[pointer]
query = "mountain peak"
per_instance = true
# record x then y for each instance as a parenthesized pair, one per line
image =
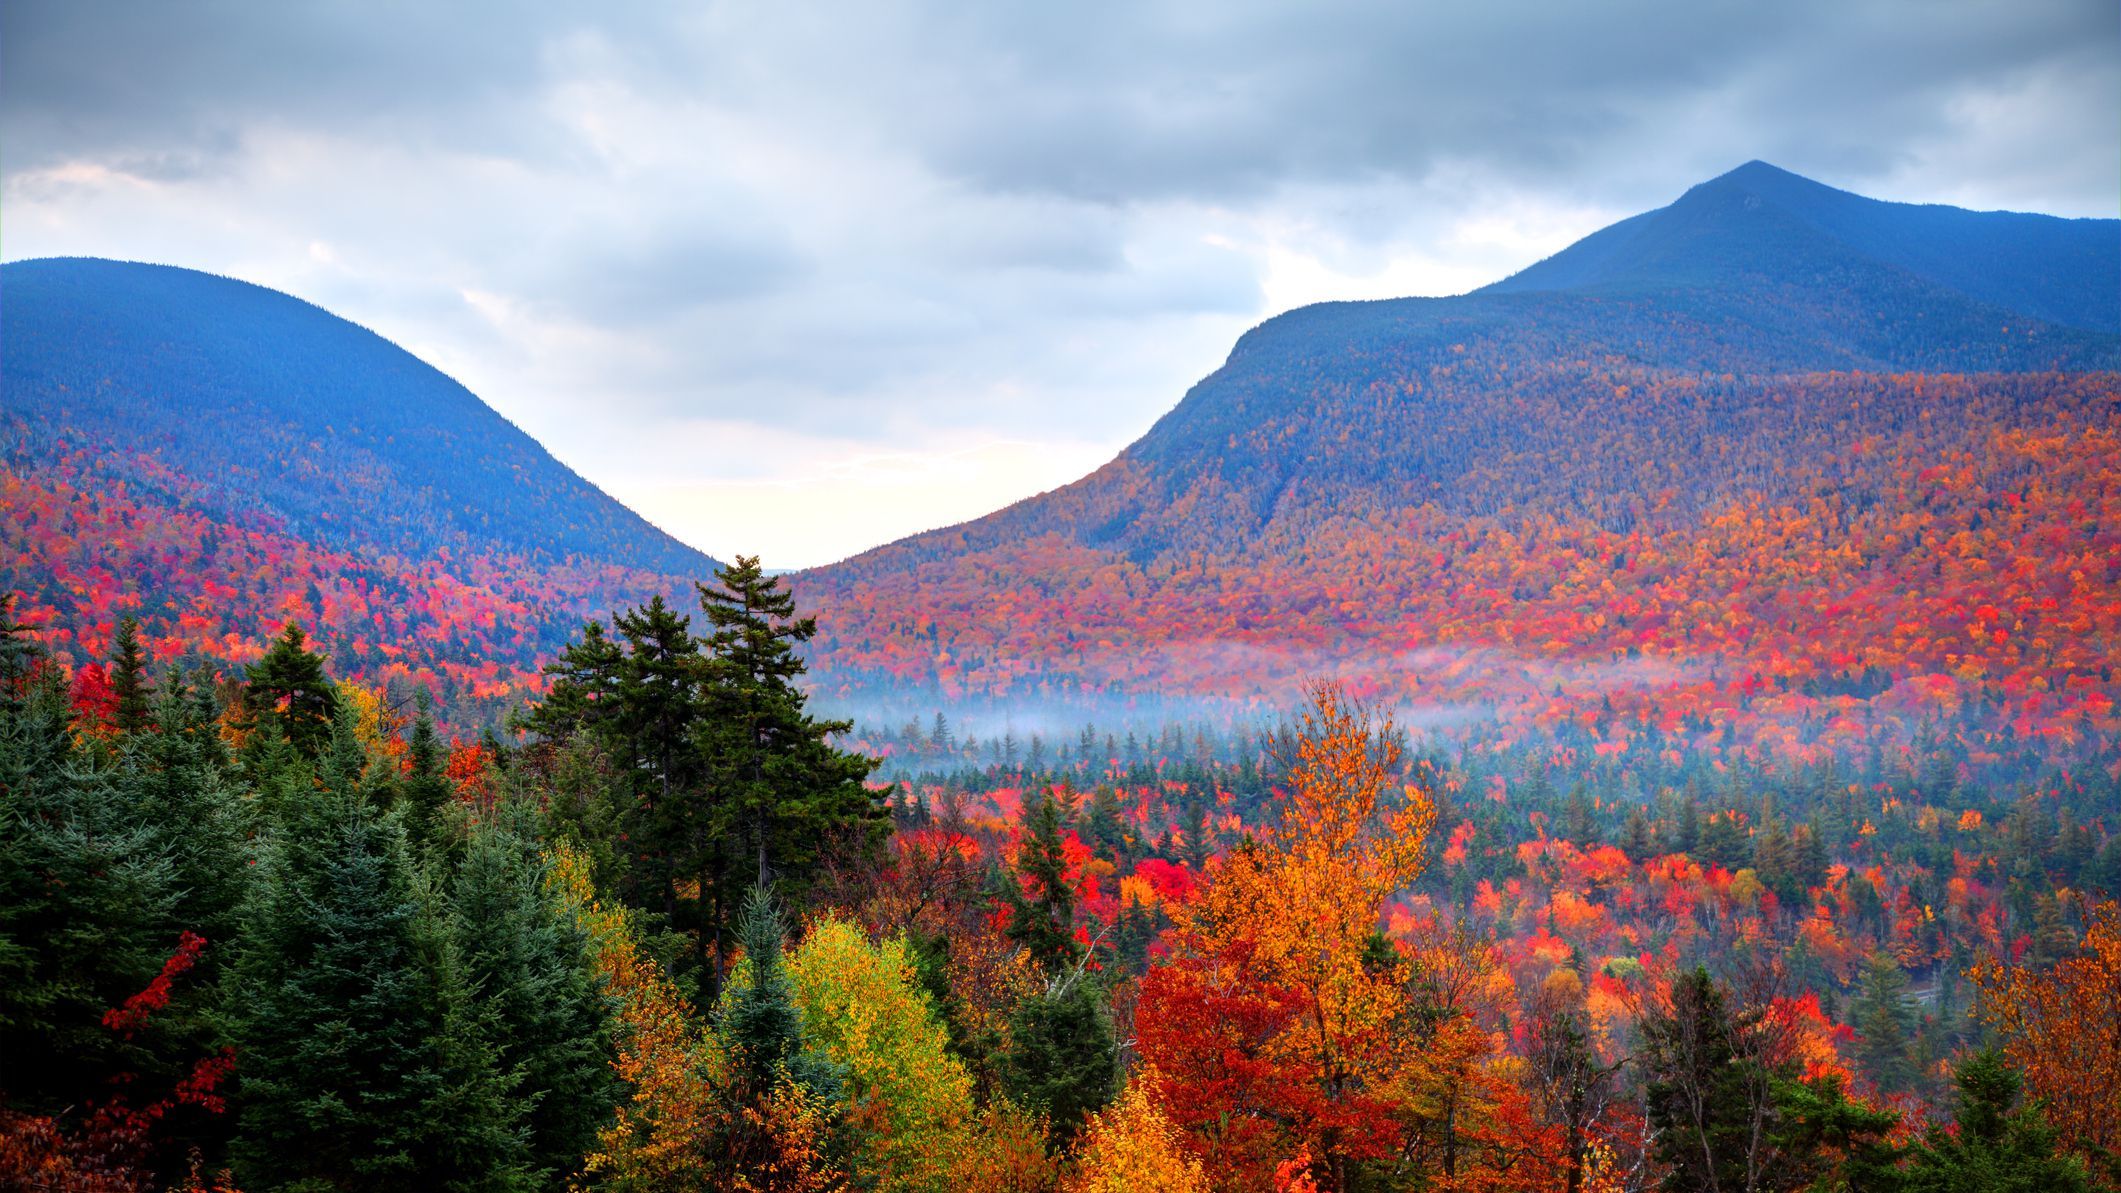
(1762, 226)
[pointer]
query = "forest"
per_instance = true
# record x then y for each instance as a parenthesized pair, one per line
(269, 925)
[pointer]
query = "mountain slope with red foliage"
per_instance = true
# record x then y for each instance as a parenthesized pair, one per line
(1765, 478)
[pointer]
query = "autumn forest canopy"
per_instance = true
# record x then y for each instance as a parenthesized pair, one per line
(1648, 724)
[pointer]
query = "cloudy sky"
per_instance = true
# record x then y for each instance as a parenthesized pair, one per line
(799, 278)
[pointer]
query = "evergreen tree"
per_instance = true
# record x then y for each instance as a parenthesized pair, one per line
(583, 690)
(288, 695)
(358, 1070)
(1043, 922)
(128, 679)
(1582, 828)
(1885, 1018)
(776, 789)
(759, 1022)
(1103, 829)
(1062, 1061)
(762, 1028)
(480, 1136)
(1199, 843)
(1689, 840)
(88, 896)
(177, 781)
(1999, 1146)
(1637, 834)
(1697, 1098)
(425, 790)
(546, 1016)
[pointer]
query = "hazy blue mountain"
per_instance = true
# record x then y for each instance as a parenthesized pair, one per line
(283, 409)
(1762, 222)
(1479, 401)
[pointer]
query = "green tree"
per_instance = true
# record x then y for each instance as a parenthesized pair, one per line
(584, 687)
(425, 792)
(546, 1017)
(787, 788)
(88, 895)
(178, 782)
(128, 679)
(1062, 1061)
(358, 1067)
(761, 1029)
(1043, 921)
(1885, 1017)
(1999, 1146)
(288, 695)
(1700, 1096)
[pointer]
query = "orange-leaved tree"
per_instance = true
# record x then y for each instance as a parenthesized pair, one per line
(2061, 1028)
(658, 1139)
(1292, 923)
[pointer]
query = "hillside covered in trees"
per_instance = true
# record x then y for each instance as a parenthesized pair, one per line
(1775, 463)
(671, 939)
(1649, 724)
(211, 457)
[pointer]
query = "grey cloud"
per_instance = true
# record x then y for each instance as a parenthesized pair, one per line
(620, 276)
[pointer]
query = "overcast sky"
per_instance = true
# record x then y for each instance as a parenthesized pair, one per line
(799, 278)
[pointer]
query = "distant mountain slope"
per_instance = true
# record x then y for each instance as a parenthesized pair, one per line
(216, 459)
(1771, 434)
(278, 407)
(1344, 408)
(2062, 271)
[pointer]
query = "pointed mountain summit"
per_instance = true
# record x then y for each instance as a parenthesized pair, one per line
(1344, 408)
(1759, 222)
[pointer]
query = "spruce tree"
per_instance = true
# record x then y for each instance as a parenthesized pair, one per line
(178, 781)
(128, 679)
(425, 789)
(1696, 1098)
(1104, 830)
(776, 789)
(288, 695)
(88, 896)
(357, 1069)
(1062, 1060)
(1043, 922)
(758, 1020)
(583, 693)
(546, 1016)
(1998, 1146)
(786, 787)
(762, 1029)
(1885, 1018)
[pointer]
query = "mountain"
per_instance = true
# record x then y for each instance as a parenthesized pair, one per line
(215, 458)
(1723, 442)
(1342, 407)
(282, 408)
(1763, 223)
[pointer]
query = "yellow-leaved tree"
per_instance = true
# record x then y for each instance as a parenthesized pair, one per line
(908, 1100)
(657, 1139)
(1130, 1145)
